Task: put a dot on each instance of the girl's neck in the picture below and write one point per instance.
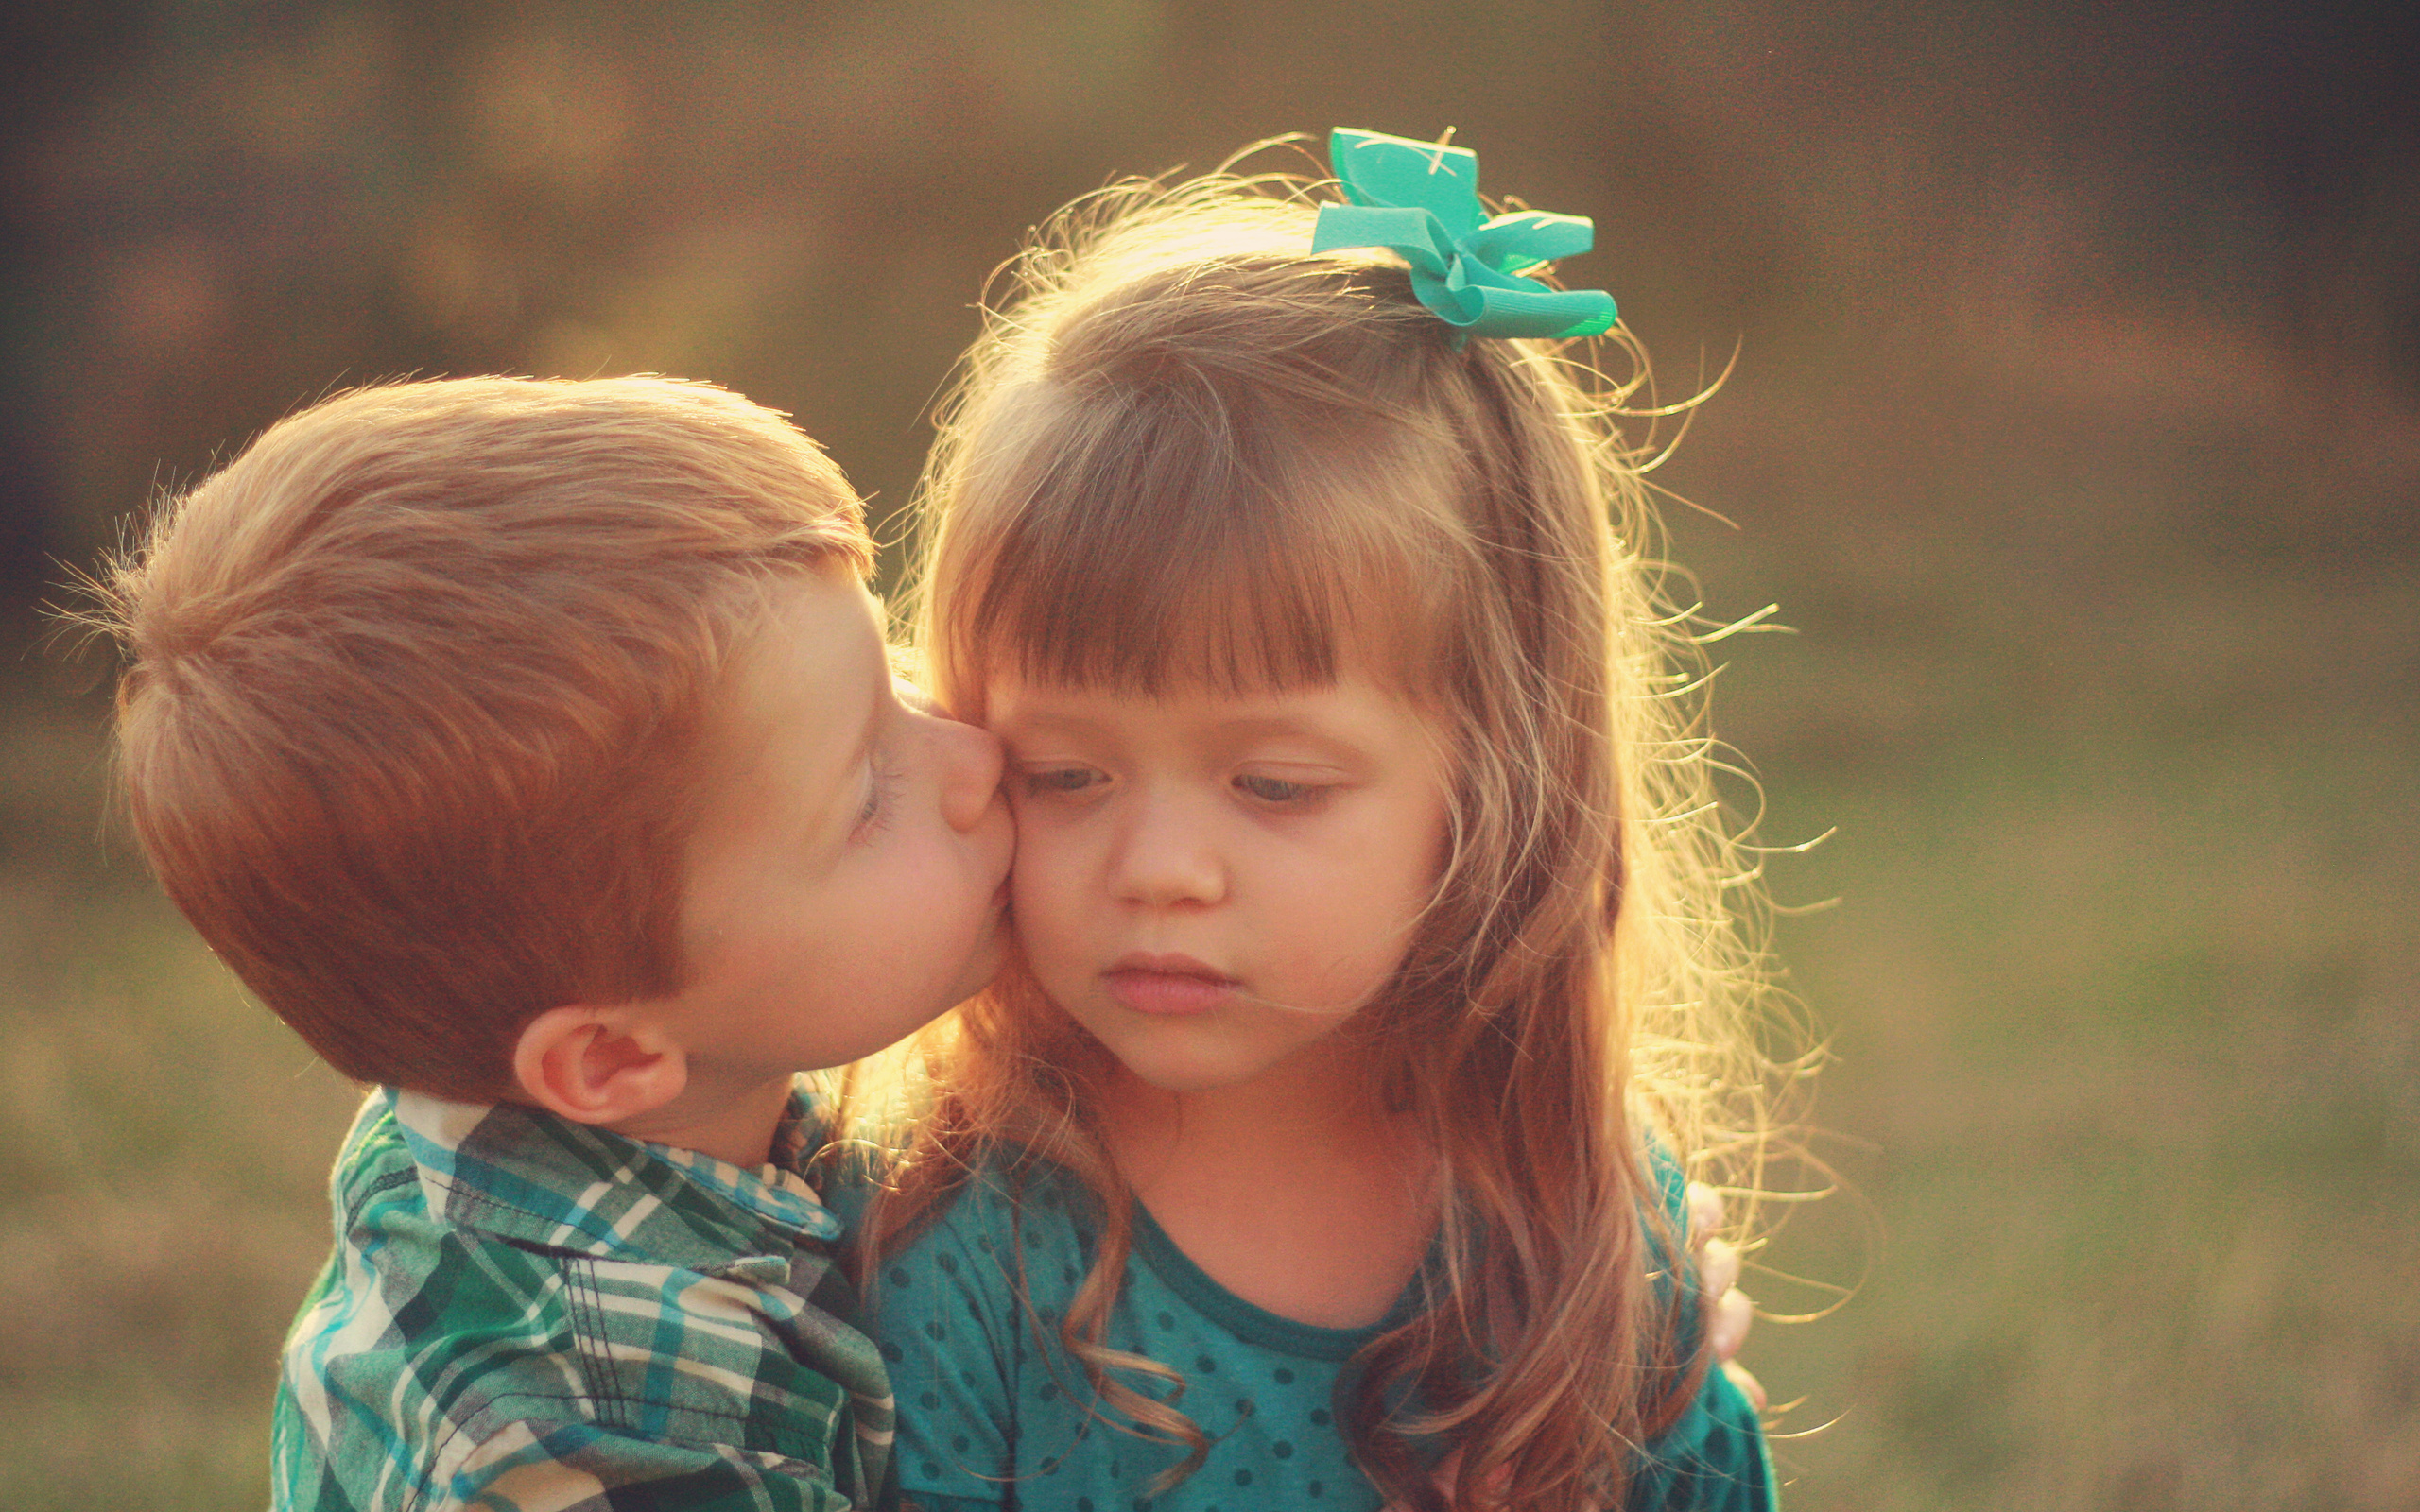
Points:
(1298, 1191)
(1315, 1098)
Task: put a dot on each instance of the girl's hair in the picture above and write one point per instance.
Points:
(1193, 453)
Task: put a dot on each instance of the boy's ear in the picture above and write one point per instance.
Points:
(597, 1065)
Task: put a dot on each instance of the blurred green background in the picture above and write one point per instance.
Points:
(2076, 429)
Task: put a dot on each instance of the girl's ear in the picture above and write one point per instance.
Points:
(599, 1065)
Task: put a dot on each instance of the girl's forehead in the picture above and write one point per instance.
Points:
(1351, 716)
(1233, 570)
(1225, 663)
(1223, 632)
(1174, 686)
(1354, 682)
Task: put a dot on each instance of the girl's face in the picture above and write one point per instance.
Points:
(1210, 883)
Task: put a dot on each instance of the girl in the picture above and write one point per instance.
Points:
(1377, 980)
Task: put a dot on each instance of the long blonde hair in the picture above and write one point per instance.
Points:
(1189, 452)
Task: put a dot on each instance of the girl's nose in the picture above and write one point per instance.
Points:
(970, 760)
(1165, 858)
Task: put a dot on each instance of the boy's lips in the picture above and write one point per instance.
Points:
(1166, 984)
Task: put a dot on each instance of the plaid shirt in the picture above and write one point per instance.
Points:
(526, 1314)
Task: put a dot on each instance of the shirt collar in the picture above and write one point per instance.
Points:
(526, 1176)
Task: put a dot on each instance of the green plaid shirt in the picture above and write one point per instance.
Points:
(526, 1314)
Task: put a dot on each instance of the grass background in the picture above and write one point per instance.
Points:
(2075, 432)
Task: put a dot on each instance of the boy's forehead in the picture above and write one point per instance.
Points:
(812, 654)
(786, 736)
(823, 605)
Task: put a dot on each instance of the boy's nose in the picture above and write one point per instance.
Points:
(970, 758)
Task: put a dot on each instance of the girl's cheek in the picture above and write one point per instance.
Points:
(1033, 880)
(1050, 885)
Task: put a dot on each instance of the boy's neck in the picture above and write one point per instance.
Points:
(736, 1128)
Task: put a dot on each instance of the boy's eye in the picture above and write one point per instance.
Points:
(1277, 789)
(880, 782)
(1049, 782)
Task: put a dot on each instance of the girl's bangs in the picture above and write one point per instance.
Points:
(1175, 564)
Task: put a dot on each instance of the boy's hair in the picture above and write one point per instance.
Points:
(1195, 453)
(417, 684)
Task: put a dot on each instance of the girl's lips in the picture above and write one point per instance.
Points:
(1166, 990)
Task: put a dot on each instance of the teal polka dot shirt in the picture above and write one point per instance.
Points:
(995, 1415)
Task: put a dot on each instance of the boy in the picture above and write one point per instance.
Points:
(531, 749)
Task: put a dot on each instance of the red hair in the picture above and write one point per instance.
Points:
(410, 729)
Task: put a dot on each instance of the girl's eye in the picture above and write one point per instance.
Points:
(1278, 790)
(1060, 781)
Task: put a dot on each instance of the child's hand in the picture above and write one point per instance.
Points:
(1729, 1312)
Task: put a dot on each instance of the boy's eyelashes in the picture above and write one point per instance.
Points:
(881, 786)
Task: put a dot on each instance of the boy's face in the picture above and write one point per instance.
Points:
(847, 880)
(1212, 884)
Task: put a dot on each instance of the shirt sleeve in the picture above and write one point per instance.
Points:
(1714, 1459)
(578, 1467)
(945, 1311)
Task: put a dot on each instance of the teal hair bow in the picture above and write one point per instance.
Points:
(1421, 200)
